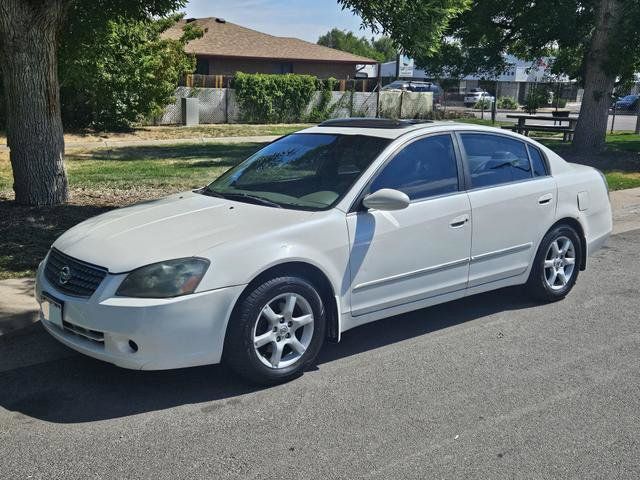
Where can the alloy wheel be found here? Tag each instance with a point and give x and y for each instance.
(559, 263)
(283, 330)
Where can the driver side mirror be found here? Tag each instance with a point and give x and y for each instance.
(387, 199)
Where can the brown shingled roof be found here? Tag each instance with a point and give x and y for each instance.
(231, 40)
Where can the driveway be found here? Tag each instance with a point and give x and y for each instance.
(491, 386)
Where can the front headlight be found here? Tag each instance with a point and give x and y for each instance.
(172, 278)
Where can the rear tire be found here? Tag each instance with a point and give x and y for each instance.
(556, 266)
(275, 331)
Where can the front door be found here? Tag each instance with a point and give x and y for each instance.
(404, 256)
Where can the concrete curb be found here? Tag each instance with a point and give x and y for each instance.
(18, 308)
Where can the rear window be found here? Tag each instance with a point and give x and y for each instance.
(495, 159)
(537, 162)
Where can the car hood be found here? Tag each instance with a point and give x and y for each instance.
(181, 225)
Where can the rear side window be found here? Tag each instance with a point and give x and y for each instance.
(494, 159)
(537, 162)
(424, 168)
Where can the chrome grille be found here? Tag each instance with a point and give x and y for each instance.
(72, 276)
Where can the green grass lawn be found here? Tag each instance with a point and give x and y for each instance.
(101, 179)
(620, 161)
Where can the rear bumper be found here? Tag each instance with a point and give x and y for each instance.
(597, 243)
(169, 333)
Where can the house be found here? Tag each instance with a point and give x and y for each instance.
(227, 48)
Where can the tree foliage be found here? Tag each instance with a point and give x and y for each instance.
(123, 73)
(416, 26)
(381, 49)
(477, 40)
(30, 33)
(595, 41)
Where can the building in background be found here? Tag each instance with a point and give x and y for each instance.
(227, 48)
(513, 83)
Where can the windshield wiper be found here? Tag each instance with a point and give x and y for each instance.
(242, 197)
(208, 192)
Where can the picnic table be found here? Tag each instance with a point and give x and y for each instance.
(557, 127)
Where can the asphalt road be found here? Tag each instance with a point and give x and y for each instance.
(491, 386)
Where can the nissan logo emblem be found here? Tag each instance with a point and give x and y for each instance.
(65, 275)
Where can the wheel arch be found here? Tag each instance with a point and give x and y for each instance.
(577, 226)
(312, 274)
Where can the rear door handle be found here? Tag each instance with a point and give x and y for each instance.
(545, 199)
(459, 221)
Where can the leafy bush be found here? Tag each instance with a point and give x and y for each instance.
(273, 98)
(536, 97)
(483, 104)
(561, 102)
(508, 103)
(123, 74)
(323, 109)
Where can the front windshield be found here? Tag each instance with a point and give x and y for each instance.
(303, 170)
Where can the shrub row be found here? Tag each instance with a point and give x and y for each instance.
(282, 98)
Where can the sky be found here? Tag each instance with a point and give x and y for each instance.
(305, 19)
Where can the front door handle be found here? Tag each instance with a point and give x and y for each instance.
(545, 199)
(459, 221)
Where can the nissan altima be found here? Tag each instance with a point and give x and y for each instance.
(317, 233)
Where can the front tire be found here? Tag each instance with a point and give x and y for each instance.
(556, 266)
(275, 331)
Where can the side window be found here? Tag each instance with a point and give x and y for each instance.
(422, 169)
(494, 159)
(538, 163)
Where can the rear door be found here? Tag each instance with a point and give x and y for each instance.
(513, 201)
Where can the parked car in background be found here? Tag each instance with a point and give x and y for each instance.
(475, 95)
(628, 103)
(319, 232)
(411, 86)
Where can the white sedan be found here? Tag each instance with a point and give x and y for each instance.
(473, 97)
(317, 233)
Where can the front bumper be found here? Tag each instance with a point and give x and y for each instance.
(169, 333)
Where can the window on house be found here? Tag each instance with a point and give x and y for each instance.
(202, 66)
(286, 67)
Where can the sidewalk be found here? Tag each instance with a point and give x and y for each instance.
(18, 308)
(626, 210)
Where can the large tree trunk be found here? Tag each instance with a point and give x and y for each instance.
(591, 130)
(28, 44)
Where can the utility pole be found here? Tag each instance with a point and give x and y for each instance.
(378, 90)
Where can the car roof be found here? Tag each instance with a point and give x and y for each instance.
(392, 129)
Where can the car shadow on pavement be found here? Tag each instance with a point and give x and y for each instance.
(76, 389)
